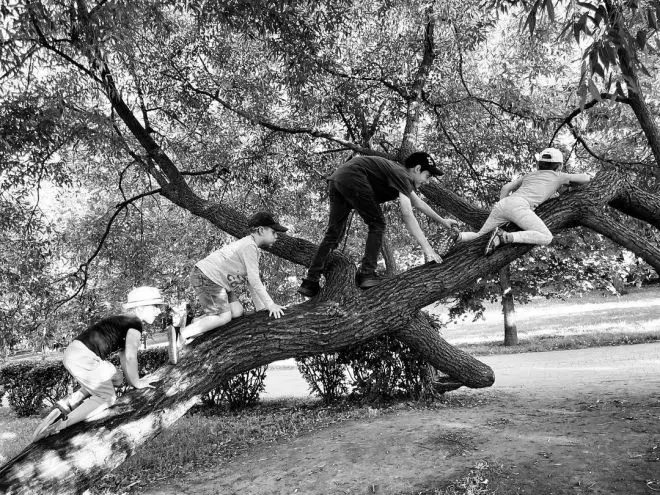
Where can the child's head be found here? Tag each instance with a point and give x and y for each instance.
(264, 228)
(550, 159)
(144, 302)
(422, 167)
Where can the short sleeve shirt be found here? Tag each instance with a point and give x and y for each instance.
(109, 334)
(540, 185)
(234, 265)
(386, 178)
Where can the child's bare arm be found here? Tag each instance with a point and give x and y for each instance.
(578, 178)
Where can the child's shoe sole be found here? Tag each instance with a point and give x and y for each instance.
(172, 345)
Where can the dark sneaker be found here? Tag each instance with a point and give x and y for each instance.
(369, 280)
(172, 344)
(309, 288)
(495, 240)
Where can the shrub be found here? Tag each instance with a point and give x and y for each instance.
(383, 368)
(31, 383)
(380, 369)
(325, 376)
(240, 391)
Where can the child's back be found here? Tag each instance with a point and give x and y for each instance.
(540, 185)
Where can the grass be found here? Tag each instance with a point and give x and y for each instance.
(15, 433)
(546, 325)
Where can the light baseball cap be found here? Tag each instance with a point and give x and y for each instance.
(550, 155)
(143, 296)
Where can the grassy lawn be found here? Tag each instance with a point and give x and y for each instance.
(545, 325)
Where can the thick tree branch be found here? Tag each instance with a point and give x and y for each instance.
(597, 219)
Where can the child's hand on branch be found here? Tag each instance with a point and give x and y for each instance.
(450, 223)
(275, 310)
(432, 256)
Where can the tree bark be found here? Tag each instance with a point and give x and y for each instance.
(508, 309)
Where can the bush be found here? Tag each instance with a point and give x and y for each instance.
(240, 391)
(384, 368)
(380, 369)
(31, 383)
(325, 376)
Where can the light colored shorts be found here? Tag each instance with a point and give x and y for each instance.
(92, 373)
(213, 298)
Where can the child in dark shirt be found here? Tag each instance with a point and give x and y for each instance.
(85, 359)
(362, 184)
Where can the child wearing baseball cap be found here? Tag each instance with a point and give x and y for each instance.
(215, 278)
(519, 198)
(85, 359)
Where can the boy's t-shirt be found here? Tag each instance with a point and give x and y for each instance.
(540, 185)
(109, 334)
(386, 178)
(234, 265)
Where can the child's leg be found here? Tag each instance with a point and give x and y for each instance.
(97, 390)
(235, 307)
(204, 324)
(69, 403)
(215, 306)
(533, 230)
(494, 220)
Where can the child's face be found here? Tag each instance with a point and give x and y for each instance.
(268, 236)
(148, 313)
(420, 178)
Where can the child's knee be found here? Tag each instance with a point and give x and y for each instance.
(224, 318)
(236, 309)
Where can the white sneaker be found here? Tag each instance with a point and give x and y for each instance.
(49, 426)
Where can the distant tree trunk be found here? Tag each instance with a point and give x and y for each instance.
(508, 309)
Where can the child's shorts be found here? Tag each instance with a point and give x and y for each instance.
(213, 298)
(92, 373)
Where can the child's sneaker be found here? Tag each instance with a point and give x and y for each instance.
(172, 344)
(50, 425)
(63, 407)
(495, 240)
(369, 280)
(309, 288)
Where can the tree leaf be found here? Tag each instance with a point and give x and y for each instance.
(640, 38)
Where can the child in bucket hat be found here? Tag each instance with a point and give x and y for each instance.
(215, 278)
(85, 359)
(519, 198)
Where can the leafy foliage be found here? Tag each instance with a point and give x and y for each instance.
(241, 391)
(325, 374)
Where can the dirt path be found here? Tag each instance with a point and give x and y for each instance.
(566, 422)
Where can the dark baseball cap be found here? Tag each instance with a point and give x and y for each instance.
(265, 219)
(425, 160)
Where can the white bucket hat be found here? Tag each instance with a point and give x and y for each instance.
(550, 155)
(143, 296)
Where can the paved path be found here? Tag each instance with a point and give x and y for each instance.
(563, 372)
